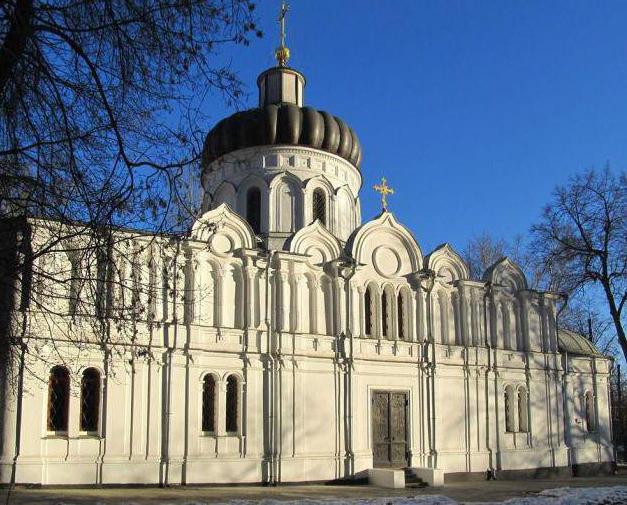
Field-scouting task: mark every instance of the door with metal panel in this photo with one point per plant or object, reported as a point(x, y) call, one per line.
point(389, 428)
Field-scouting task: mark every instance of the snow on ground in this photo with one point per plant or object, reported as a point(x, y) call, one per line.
point(616, 495)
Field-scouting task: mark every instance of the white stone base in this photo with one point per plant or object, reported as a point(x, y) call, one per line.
point(432, 476)
point(383, 477)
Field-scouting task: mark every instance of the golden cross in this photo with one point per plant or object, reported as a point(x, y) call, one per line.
point(282, 53)
point(282, 15)
point(385, 190)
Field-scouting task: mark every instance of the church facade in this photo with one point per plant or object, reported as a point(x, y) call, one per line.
point(283, 340)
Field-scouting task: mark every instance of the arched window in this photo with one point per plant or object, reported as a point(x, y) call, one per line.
point(90, 400)
point(58, 398)
point(253, 209)
point(589, 406)
point(401, 311)
point(523, 412)
point(510, 412)
point(319, 206)
point(368, 312)
point(232, 404)
point(384, 314)
point(209, 403)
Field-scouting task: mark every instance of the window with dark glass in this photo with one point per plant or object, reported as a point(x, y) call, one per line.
point(208, 403)
point(401, 316)
point(232, 405)
point(319, 206)
point(90, 400)
point(385, 312)
point(253, 209)
point(368, 312)
point(589, 406)
point(58, 398)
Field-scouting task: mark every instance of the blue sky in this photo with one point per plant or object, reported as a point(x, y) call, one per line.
point(473, 110)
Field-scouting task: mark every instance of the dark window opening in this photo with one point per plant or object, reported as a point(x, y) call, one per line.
point(208, 403)
point(368, 312)
point(232, 405)
point(253, 209)
point(384, 307)
point(401, 316)
point(589, 400)
point(58, 398)
point(319, 206)
point(90, 400)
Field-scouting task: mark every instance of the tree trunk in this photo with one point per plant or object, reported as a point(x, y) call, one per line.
point(15, 41)
point(620, 331)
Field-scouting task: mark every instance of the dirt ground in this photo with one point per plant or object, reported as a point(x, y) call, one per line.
point(473, 491)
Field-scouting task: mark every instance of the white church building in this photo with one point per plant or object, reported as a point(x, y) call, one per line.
point(284, 340)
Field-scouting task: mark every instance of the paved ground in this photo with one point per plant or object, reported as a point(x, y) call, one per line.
point(461, 491)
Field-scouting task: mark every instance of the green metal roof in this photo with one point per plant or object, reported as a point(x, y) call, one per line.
point(574, 343)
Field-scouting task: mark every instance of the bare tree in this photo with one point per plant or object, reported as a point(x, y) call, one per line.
point(482, 251)
point(104, 107)
point(581, 240)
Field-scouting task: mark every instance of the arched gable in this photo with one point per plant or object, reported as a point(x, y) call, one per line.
point(224, 230)
point(224, 193)
point(447, 264)
point(286, 202)
point(319, 181)
point(254, 181)
point(317, 242)
point(506, 273)
point(386, 245)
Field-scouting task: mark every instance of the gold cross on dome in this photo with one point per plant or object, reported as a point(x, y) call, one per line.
point(384, 190)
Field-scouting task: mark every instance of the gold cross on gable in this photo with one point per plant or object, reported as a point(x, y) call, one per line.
point(384, 190)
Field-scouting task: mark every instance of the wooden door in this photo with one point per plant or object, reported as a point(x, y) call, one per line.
point(389, 429)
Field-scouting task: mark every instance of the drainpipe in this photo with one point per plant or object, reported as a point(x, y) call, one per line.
point(556, 350)
point(168, 381)
point(428, 275)
point(269, 322)
point(491, 473)
point(347, 270)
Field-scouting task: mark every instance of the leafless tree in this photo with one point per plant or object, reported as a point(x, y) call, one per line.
point(104, 107)
point(482, 251)
point(581, 240)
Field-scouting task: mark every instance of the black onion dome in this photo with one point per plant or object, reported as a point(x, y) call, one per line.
point(282, 124)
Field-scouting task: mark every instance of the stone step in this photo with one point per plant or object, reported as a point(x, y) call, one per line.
point(412, 480)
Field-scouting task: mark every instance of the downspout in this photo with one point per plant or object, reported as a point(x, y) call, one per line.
point(168, 378)
point(351, 268)
point(269, 322)
point(556, 350)
point(429, 276)
point(491, 474)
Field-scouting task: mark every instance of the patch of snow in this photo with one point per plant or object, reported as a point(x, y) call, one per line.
point(616, 495)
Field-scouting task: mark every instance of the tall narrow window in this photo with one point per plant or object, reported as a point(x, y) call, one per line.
point(58, 398)
point(384, 314)
point(90, 400)
point(319, 206)
point(589, 406)
point(400, 307)
point(232, 405)
point(209, 403)
point(368, 312)
point(253, 209)
point(523, 414)
point(510, 413)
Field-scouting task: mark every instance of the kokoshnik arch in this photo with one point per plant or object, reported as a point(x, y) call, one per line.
point(291, 342)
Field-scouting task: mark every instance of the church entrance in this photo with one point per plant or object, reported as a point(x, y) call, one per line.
point(389, 429)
